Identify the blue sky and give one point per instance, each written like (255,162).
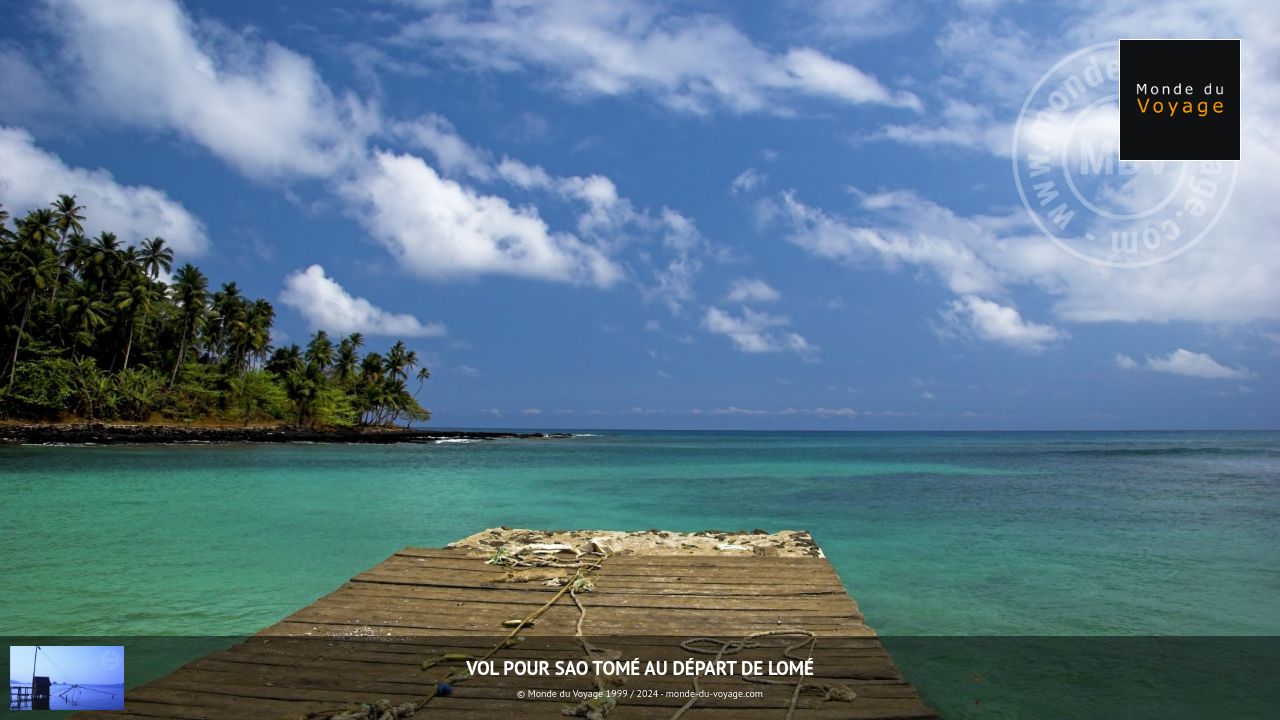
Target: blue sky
(76,664)
(689,215)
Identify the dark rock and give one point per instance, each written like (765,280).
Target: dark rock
(101,434)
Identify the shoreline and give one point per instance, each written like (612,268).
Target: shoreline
(136,434)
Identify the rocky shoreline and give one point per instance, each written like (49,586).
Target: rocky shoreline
(115,434)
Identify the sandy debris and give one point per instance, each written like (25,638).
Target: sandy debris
(785,543)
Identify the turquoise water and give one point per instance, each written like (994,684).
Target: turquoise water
(947,534)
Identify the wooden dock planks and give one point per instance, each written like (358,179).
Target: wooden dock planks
(366,641)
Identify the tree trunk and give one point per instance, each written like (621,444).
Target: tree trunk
(128,346)
(17,342)
(182,348)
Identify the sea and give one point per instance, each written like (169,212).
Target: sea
(76,697)
(1010,574)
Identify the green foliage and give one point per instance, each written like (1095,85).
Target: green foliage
(41,387)
(138,393)
(256,395)
(86,327)
(93,391)
(333,408)
(197,393)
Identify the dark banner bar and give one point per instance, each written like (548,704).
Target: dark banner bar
(1091,678)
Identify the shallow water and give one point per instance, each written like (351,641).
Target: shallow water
(935,534)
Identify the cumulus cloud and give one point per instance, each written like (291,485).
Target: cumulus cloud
(454,156)
(1125,362)
(327,306)
(1186,363)
(693,63)
(909,232)
(988,320)
(756,332)
(266,111)
(258,106)
(751,290)
(747,180)
(439,228)
(31,177)
(1226,278)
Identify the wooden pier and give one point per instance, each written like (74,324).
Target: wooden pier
(367,641)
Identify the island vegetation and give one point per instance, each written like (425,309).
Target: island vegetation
(95,328)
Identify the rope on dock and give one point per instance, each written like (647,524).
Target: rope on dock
(539,555)
(720,648)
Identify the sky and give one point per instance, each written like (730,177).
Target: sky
(791,215)
(75,664)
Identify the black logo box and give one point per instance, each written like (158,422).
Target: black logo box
(1186,68)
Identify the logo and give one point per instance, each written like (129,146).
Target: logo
(1097,207)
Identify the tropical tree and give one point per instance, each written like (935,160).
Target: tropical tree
(154,257)
(134,299)
(30,266)
(88,327)
(191,290)
(67,217)
(320,351)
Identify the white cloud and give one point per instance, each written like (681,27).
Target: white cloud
(257,105)
(326,305)
(993,63)
(31,177)
(747,180)
(1187,363)
(925,236)
(731,410)
(751,290)
(531,411)
(853,20)
(1226,278)
(987,320)
(1125,362)
(755,332)
(612,222)
(440,229)
(454,155)
(692,63)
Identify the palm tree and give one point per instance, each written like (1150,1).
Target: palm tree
(67,217)
(346,360)
(400,360)
(77,254)
(101,260)
(191,290)
(31,266)
(320,351)
(84,314)
(423,375)
(132,300)
(285,360)
(258,330)
(301,387)
(154,257)
(228,305)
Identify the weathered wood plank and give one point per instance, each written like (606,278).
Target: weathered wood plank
(366,640)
